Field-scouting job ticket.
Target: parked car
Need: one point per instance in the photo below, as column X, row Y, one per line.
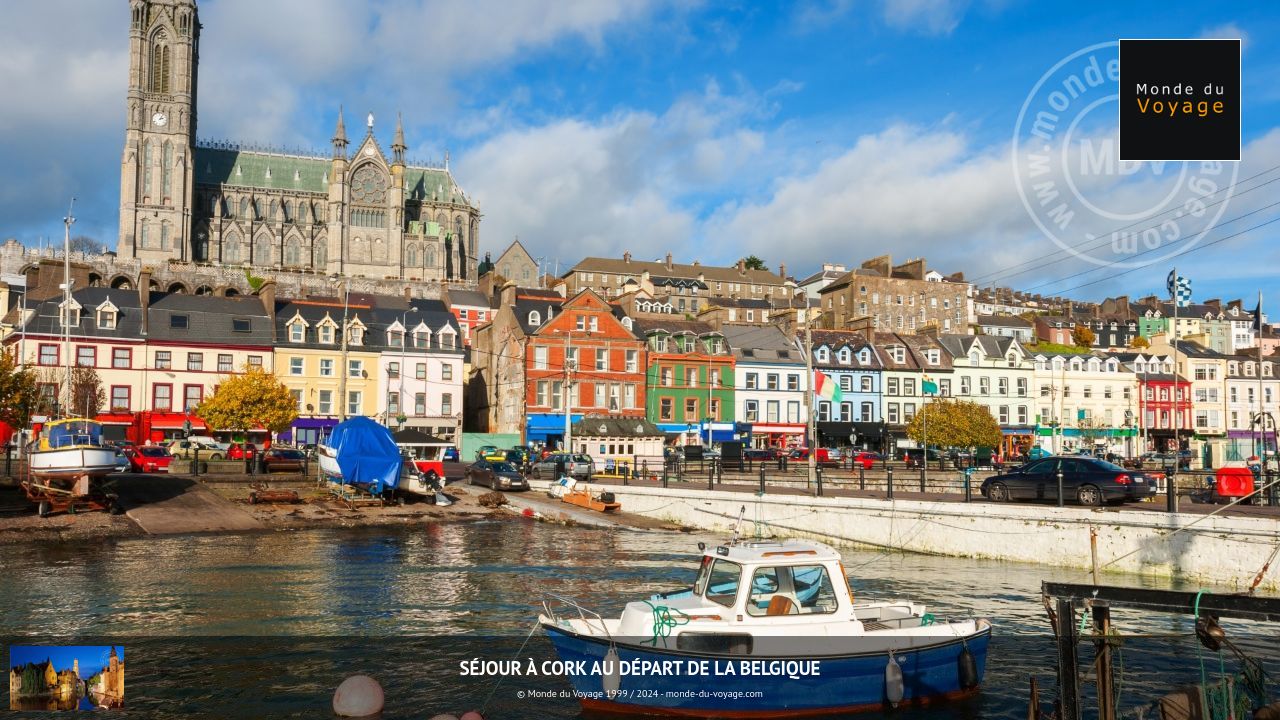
column 518, row 456
column 1038, row 453
column 241, row 451
column 913, row 456
column 825, row 457
column 149, row 459
column 578, row 466
column 496, row 475
column 1086, row 480
column 450, row 454
column 866, row 459
column 279, row 459
column 122, row 461
column 491, row 452
column 760, row 454
column 187, row 449
column 208, row 443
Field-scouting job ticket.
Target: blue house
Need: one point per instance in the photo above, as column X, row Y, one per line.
column 849, row 359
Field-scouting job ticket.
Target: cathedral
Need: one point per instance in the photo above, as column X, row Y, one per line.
column 357, row 212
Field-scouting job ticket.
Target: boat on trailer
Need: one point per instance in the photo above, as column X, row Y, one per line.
column 769, row 629
column 72, row 449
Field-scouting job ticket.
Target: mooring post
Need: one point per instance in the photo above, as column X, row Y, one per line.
column 761, row 478
column 1068, row 679
column 195, row 464
column 922, row 471
column 1106, row 680
column 862, row 477
column 1061, row 500
column 1171, row 491
column 711, row 476
column 819, row 476
column 888, row 482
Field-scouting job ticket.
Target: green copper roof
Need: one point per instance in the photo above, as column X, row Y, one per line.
column 265, row 171
column 429, row 184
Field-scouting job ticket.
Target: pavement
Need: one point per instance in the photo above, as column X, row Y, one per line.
column 557, row 511
column 170, row 505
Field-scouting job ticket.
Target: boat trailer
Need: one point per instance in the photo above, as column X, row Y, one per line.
column 83, row 495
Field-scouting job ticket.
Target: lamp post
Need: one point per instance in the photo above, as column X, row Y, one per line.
column 343, row 370
column 812, row 439
column 404, row 341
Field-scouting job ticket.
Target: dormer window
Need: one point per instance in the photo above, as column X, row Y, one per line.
column 448, row 339
column 326, row 333
column 845, row 356
column 179, row 322
column 975, row 357
column 297, row 332
column 421, row 338
column 626, row 323
column 898, row 353
column 864, row 357
column 395, row 337
column 106, row 319
column 355, row 336
column 535, row 319
column 931, row 356
column 823, row 355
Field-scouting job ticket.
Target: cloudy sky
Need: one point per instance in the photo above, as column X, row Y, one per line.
column 823, row 130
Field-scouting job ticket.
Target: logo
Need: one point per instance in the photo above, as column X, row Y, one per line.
column 1180, row 99
column 1092, row 204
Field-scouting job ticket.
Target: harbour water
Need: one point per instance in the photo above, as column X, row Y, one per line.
column 266, row 625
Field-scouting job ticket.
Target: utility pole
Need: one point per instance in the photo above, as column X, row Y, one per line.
column 808, row 396
column 66, row 303
column 565, row 393
column 344, row 370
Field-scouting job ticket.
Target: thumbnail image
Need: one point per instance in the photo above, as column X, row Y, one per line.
column 66, row 677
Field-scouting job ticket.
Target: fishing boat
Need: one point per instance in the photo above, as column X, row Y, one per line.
column 70, row 449
column 360, row 454
column 769, row 629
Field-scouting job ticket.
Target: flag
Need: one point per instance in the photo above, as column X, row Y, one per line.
column 1179, row 288
column 1257, row 317
column 928, row 387
column 827, row 388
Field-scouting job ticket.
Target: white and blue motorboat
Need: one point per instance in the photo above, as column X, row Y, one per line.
column 769, row 629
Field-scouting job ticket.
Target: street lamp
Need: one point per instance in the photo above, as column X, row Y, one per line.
column 404, row 341
column 343, row 370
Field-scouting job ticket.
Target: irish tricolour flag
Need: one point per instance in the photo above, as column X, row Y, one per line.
column 827, row 388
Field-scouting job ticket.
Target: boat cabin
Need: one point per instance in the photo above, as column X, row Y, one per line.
column 70, row 433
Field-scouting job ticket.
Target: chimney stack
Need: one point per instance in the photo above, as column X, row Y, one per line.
column 669, row 265
column 742, row 267
column 782, row 270
column 144, row 298
column 267, row 294
column 626, row 257
column 508, row 294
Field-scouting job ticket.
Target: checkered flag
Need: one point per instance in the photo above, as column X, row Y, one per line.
column 1179, row 289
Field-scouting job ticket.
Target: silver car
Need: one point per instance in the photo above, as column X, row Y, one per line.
column 578, row 466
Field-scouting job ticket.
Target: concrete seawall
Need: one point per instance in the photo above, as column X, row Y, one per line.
column 1222, row 550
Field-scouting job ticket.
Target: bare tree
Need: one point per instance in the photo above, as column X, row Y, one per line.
column 87, row 245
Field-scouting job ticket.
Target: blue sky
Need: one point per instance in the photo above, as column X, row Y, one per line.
column 92, row 657
column 801, row 132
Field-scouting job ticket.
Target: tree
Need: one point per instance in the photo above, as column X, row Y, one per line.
column 1082, row 336
column 19, row 389
column 87, row 396
column 955, row 423
column 252, row 399
column 1139, row 342
column 751, row 262
column 87, row 245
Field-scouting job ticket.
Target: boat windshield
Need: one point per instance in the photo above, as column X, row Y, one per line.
column 718, row 581
column 75, row 432
column 791, row 590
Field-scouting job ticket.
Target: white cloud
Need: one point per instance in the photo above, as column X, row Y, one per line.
column 1227, row 31
column 932, row 17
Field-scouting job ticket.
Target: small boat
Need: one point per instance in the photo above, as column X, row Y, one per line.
column 770, row 629
column 567, row 490
column 361, row 454
column 72, row 449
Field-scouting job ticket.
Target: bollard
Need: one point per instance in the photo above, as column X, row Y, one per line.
column 1171, row 492
column 665, row 475
column 761, row 478
column 644, row 469
column 819, row 475
column 711, row 476
column 922, row 476
column 782, row 462
column 888, row 482
column 1271, row 489
column 968, row 485
column 8, row 460
column 306, row 465
column 1060, row 498
column 195, row 464
column 862, row 477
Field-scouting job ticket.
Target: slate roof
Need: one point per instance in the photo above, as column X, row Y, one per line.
column 672, row 325
column 376, row 320
column 764, row 344
column 678, row 270
column 821, row 275
column 615, row 426
column 1010, row 321
column 44, row 319
column 466, row 298
column 748, row 303
column 992, row 346
column 1196, row 350
column 837, row 339
column 296, row 173
column 913, row 358
column 209, row 319
column 547, row 303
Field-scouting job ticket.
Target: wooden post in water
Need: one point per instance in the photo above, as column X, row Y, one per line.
column 1068, row 679
column 1106, row 682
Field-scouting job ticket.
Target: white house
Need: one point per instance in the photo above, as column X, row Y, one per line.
column 769, row 384
column 420, row 383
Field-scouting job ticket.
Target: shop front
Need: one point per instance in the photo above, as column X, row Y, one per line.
column 1016, row 441
column 308, row 431
column 777, row 435
column 861, row 435
column 546, row 428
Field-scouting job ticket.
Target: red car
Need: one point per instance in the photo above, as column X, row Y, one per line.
column 866, row 459
column 148, row 459
column 240, row 451
column 825, row 457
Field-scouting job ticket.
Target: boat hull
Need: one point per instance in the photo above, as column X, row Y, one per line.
column 328, row 460
column 846, row 683
column 73, row 462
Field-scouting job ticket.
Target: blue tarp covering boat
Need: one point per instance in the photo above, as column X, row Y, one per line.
column 366, row 455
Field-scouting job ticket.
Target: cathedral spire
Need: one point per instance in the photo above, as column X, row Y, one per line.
column 340, row 137
column 397, row 145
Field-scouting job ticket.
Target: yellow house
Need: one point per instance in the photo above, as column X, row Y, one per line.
column 308, row 360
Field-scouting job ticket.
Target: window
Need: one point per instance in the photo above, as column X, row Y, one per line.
column 1022, row 387
column 241, row 325
column 353, row 402
column 964, row 385
column 1088, row 391
column 864, row 385
column 393, row 403
column 106, row 319
column 87, row 356
column 540, row 358
column 908, row 386
column 178, row 322
column 1004, row 415
column 767, row 591
column 395, row 338
column 713, row 405
column 420, row 404
column 326, row 402
column 771, row 381
column 48, row 355
column 908, row 412
column 446, row 372
column 195, row 362
column 752, row 410
column 326, row 367
column 581, row 321
column 326, row 335
column 720, row 585
column 668, row 376
column 866, row 413
column 225, row 363
column 163, row 360
column 793, row 411
column 793, row 381
column 355, row 368
column 633, row 361
column 1002, row 386
column 602, row 358
column 893, row 386
column 191, row 396
column 846, row 383
column 690, row 408
column 984, row 386
column 691, row 377
column 162, row 397
column 540, row 394
column 753, row 381
column 892, row 414
column 393, row 369
column 944, row 387
column 666, row 408
column 629, row 395
column 122, row 358
column 297, row 400
column 1022, row 414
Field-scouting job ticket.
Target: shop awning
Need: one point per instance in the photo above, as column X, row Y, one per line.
column 778, row 429
column 176, row 421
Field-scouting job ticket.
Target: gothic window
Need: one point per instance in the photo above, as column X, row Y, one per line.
column 244, row 208
column 287, row 211
column 214, row 208
column 164, row 235
column 411, row 255
column 293, row 253
column 262, row 251
column 443, row 222
column 302, row 211
column 255, row 210
column 369, row 185
column 143, row 240
column 431, row 256
column 166, row 171
column 159, row 80
column 321, row 253
column 273, row 210
column 201, row 247
column 148, row 156
column 231, row 248
column 457, row 231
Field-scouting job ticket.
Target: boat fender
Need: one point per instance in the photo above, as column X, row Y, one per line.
column 606, row 497
column 968, row 669
column 893, row 682
column 612, row 678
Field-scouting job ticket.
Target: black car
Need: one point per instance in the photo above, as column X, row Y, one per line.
column 1086, row 480
column 760, row 454
column 496, row 475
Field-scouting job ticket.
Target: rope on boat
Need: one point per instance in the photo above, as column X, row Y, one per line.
column 664, row 621
column 494, row 689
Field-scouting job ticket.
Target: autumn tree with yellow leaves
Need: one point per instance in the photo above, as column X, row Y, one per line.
column 18, row 391
column 955, row 423
column 252, row 399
